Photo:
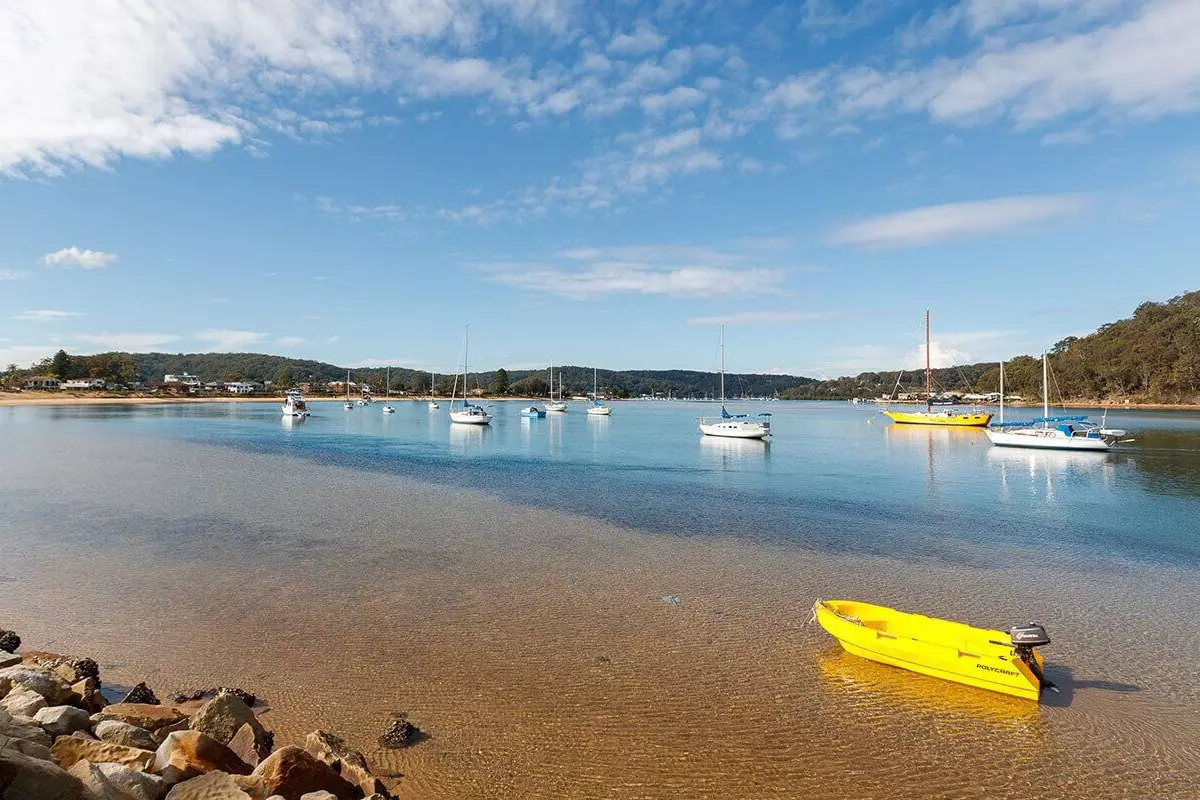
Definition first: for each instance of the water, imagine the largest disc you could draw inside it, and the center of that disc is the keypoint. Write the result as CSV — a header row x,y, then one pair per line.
x,y
505,585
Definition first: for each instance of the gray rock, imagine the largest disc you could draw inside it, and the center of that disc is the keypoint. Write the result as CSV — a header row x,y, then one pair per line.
x,y
25,747
116,732
141,694
9,659
9,641
321,795
23,702
211,786
62,720
25,778
221,717
45,682
116,782
23,728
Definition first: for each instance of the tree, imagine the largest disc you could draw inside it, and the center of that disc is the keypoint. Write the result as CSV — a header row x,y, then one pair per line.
x,y
284,377
499,384
531,386
60,365
418,383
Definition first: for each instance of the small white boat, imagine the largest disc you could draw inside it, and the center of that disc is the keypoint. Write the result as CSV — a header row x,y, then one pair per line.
x,y
533,412
348,405
1052,433
294,406
433,404
468,414
597,409
734,426
558,406
387,403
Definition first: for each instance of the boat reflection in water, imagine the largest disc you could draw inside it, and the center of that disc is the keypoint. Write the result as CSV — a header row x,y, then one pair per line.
x,y
292,422
727,454
879,689
1051,469
467,440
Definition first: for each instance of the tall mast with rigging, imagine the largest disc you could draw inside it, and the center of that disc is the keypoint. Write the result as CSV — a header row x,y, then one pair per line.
x,y
928,377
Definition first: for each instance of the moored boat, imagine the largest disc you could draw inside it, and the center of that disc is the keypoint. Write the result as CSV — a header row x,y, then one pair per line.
x,y
533,412
468,413
1001,661
597,408
294,406
949,416
734,426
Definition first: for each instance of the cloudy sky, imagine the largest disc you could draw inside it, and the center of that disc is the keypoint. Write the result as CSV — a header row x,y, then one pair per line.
x,y
596,182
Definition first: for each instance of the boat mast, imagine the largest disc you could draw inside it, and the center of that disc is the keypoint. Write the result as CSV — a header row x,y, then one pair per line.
x,y
388,388
466,352
347,386
1001,391
928,382
595,397
722,365
1045,385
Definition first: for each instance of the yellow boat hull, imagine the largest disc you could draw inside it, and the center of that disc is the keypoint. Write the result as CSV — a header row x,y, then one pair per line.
x,y
957,419
939,648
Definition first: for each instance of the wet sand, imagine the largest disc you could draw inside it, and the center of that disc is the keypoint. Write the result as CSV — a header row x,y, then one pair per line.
x,y
536,650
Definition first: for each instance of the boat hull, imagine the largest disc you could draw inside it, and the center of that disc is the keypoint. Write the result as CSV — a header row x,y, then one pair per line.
x,y
938,648
959,420
604,411
1048,442
557,408
736,430
463,418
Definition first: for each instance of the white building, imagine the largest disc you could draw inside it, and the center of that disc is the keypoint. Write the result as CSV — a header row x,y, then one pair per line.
x,y
243,387
84,383
184,378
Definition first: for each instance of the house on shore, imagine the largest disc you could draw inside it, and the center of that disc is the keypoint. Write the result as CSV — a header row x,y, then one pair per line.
x,y
44,382
244,387
191,381
85,383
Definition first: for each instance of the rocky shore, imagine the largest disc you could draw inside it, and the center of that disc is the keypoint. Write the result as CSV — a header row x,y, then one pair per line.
x,y
61,739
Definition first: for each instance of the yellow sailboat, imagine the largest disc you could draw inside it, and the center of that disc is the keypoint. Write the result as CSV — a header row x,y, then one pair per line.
x,y
962,419
988,659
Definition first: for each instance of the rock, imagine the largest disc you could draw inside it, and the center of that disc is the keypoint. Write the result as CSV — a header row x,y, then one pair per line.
x,y
401,733
221,717
240,694
25,778
116,732
150,717
68,750
252,786
141,694
252,745
212,786
8,660
38,679
25,747
9,641
23,702
162,733
23,728
321,795
62,720
116,782
88,692
186,754
294,772
85,735
349,763
187,695
65,671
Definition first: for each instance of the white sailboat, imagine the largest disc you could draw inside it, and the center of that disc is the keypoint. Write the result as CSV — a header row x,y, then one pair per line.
x,y
469,414
734,426
597,409
432,402
1051,433
387,402
348,405
558,406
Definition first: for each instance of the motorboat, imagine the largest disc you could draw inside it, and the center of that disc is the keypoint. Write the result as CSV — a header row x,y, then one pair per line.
x,y
533,412
294,406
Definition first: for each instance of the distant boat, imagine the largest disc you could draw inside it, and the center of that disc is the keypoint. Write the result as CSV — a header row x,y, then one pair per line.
x,y
962,419
348,405
533,412
294,406
558,406
432,403
1052,433
597,409
469,414
387,402
734,426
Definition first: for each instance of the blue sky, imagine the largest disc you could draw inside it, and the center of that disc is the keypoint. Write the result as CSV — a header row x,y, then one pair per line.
x,y
593,182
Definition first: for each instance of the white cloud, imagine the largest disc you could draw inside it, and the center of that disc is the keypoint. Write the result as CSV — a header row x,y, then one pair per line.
x,y
674,271
46,315
74,257
228,341
290,341
797,91
128,342
765,317
930,224
644,39
679,97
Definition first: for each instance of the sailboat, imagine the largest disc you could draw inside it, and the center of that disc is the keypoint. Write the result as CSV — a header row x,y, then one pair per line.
x,y
558,406
597,409
387,403
348,405
734,426
1052,433
962,419
432,402
469,414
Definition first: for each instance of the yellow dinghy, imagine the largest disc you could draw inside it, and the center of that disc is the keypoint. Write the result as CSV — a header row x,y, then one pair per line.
x,y
964,419
988,659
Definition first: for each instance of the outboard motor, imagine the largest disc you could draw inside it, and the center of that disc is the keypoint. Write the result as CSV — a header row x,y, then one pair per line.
x,y
1024,639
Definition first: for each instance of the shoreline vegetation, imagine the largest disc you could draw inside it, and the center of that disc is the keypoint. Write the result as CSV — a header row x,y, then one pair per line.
x,y
62,739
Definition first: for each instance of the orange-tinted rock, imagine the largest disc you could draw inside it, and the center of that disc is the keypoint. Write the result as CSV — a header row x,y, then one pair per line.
x,y
69,749
142,715
212,786
349,763
293,771
186,754
222,716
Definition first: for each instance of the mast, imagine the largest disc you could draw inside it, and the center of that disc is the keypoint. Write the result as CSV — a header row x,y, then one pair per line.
x,y
388,388
595,398
928,381
1001,391
551,383
347,386
1045,385
722,365
466,356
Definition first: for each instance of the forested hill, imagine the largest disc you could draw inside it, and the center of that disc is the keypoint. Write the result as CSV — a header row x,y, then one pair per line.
x,y
1153,356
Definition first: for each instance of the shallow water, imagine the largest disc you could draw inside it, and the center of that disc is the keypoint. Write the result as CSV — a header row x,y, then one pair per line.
x,y
505,588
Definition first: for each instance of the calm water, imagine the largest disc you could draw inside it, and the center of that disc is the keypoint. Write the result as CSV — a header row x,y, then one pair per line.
x,y
504,584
